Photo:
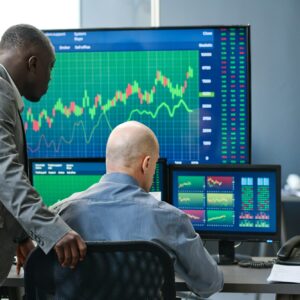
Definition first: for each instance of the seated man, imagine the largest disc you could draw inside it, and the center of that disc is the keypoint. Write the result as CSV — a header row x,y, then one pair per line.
x,y
120,207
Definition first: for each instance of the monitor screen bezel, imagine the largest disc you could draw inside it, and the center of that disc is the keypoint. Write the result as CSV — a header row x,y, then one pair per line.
x,y
232,235
164,166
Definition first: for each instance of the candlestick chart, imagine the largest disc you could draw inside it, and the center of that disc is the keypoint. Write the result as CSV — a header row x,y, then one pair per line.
x,y
92,92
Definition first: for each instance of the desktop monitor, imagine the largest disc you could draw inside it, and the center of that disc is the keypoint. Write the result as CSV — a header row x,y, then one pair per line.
x,y
56,179
190,85
229,202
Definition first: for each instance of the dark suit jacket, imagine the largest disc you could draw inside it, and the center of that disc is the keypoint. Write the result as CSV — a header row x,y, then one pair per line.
x,y
20,205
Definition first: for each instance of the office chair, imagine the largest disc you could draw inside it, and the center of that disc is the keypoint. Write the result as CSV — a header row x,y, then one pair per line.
x,y
127,270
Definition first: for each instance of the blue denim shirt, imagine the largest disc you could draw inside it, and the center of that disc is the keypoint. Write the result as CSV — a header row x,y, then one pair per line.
x,y
116,208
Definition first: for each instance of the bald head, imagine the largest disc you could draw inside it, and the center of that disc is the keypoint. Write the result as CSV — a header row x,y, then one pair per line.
x,y
128,142
131,148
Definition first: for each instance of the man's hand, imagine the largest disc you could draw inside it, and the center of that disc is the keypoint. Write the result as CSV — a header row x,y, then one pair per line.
x,y
23,250
69,249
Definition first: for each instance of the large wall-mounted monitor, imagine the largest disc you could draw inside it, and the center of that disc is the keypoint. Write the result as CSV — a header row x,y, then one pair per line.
x,y
58,178
229,202
191,85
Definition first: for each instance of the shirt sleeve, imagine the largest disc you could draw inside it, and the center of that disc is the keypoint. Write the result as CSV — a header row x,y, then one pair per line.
x,y
192,261
16,193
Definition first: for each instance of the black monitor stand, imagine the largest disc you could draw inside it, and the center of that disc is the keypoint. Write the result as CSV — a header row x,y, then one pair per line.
x,y
227,255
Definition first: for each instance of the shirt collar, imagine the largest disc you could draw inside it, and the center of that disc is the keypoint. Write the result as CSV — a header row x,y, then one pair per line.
x,y
18,96
119,178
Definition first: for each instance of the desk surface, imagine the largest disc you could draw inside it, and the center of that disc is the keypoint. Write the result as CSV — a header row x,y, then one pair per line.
x,y
14,280
236,280
249,280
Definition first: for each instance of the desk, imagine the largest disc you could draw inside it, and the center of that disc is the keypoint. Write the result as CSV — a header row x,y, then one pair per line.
x,y
13,286
14,280
248,280
236,280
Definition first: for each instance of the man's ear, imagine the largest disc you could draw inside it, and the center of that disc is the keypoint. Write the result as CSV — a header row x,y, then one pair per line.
x,y
32,64
145,164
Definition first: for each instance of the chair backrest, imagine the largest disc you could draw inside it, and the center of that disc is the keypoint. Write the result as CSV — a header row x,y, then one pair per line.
x,y
128,270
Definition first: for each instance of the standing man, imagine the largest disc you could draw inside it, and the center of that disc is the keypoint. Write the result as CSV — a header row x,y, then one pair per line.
x,y
26,60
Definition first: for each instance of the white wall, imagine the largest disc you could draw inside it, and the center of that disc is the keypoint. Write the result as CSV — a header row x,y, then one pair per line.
x,y
52,14
115,13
